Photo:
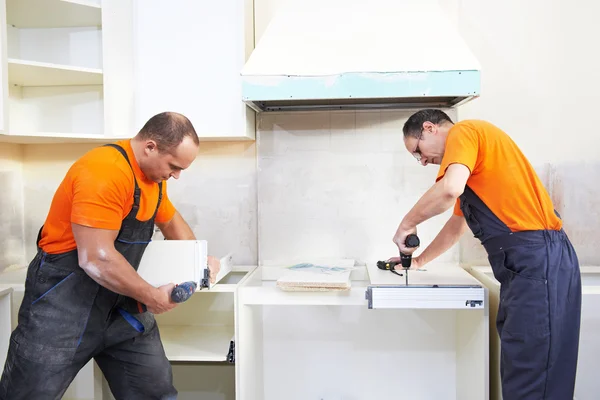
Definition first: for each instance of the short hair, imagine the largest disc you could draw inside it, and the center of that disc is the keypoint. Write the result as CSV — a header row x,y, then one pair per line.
x,y
414,125
168,129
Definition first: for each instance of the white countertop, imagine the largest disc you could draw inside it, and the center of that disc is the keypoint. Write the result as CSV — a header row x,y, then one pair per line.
x,y
434,274
5,289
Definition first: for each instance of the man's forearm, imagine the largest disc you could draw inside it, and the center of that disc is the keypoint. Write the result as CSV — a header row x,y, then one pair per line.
x,y
434,202
176,229
114,272
448,236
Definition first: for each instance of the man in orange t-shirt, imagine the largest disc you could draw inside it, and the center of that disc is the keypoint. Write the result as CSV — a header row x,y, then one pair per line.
x,y
83,296
498,195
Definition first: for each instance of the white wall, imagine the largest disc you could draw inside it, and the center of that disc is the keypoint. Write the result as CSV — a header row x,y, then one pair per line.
x,y
336,184
216,195
537,84
11,206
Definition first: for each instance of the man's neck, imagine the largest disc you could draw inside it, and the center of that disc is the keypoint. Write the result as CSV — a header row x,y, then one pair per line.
x,y
138,150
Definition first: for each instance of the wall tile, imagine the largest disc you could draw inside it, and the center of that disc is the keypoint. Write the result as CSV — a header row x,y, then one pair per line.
x,y
345,200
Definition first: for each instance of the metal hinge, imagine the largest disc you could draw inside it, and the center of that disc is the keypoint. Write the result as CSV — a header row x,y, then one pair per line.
x,y
205,281
231,354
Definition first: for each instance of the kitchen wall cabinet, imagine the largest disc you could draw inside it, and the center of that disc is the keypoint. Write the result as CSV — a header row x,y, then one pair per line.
x,y
96,70
53,59
190,62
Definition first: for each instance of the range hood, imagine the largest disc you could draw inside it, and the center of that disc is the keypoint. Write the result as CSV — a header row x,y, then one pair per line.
x,y
359,54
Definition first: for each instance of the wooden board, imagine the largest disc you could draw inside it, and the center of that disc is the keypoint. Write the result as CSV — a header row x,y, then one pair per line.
x,y
316,277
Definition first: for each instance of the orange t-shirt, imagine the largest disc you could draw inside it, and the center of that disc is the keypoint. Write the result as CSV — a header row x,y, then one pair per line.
x,y
500,175
97,191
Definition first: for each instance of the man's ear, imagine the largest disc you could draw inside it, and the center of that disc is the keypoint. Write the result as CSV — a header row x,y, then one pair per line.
x,y
150,147
428,126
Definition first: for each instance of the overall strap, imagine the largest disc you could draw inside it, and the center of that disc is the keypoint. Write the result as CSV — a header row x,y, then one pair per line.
x,y
159,199
137,192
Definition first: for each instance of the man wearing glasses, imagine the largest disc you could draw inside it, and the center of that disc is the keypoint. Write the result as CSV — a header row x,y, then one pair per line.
x,y
497,194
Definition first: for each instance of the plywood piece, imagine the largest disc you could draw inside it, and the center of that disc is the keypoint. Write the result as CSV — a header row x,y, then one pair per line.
x,y
196,343
298,281
317,277
53,13
435,274
33,73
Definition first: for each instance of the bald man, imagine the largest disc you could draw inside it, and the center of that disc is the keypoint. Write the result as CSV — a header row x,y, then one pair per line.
x,y
83,295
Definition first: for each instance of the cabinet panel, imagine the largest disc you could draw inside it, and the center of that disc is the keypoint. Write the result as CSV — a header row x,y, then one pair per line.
x,y
173,261
190,63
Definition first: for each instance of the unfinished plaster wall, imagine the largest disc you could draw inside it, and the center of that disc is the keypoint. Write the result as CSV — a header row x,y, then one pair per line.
x,y
337,184
534,86
216,195
537,86
11,206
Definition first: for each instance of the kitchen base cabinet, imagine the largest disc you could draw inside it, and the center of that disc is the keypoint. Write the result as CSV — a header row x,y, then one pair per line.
x,y
198,337
330,345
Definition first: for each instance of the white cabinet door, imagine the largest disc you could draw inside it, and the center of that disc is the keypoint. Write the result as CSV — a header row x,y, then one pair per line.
x,y
174,261
188,55
117,52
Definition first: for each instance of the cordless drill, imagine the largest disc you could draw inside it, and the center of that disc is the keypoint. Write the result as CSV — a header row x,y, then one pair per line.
x,y
412,240
183,291
179,294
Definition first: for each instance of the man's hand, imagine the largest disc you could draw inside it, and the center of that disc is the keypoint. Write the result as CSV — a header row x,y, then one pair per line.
x,y
400,238
214,266
415,263
162,300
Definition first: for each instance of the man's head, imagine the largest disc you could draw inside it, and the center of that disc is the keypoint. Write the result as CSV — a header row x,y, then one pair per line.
x,y
166,145
425,135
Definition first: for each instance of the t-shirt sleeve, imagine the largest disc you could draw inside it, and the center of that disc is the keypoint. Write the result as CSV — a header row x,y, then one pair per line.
x,y
100,193
166,210
462,147
457,210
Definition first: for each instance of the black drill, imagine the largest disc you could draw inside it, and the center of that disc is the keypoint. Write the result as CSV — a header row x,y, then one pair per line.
x,y
412,240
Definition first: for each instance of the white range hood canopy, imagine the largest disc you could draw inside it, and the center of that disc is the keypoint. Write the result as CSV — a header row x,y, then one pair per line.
x,y
359,54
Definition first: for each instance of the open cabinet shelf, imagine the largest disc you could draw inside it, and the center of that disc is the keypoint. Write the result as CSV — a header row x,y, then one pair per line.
x,y
202,328
197,343
54,69
32,73
54,13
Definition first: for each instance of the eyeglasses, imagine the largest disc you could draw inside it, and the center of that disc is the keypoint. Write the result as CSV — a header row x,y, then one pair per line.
x,y
417,153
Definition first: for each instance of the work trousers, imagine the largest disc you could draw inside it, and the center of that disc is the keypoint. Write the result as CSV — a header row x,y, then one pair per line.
x,y
65,320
